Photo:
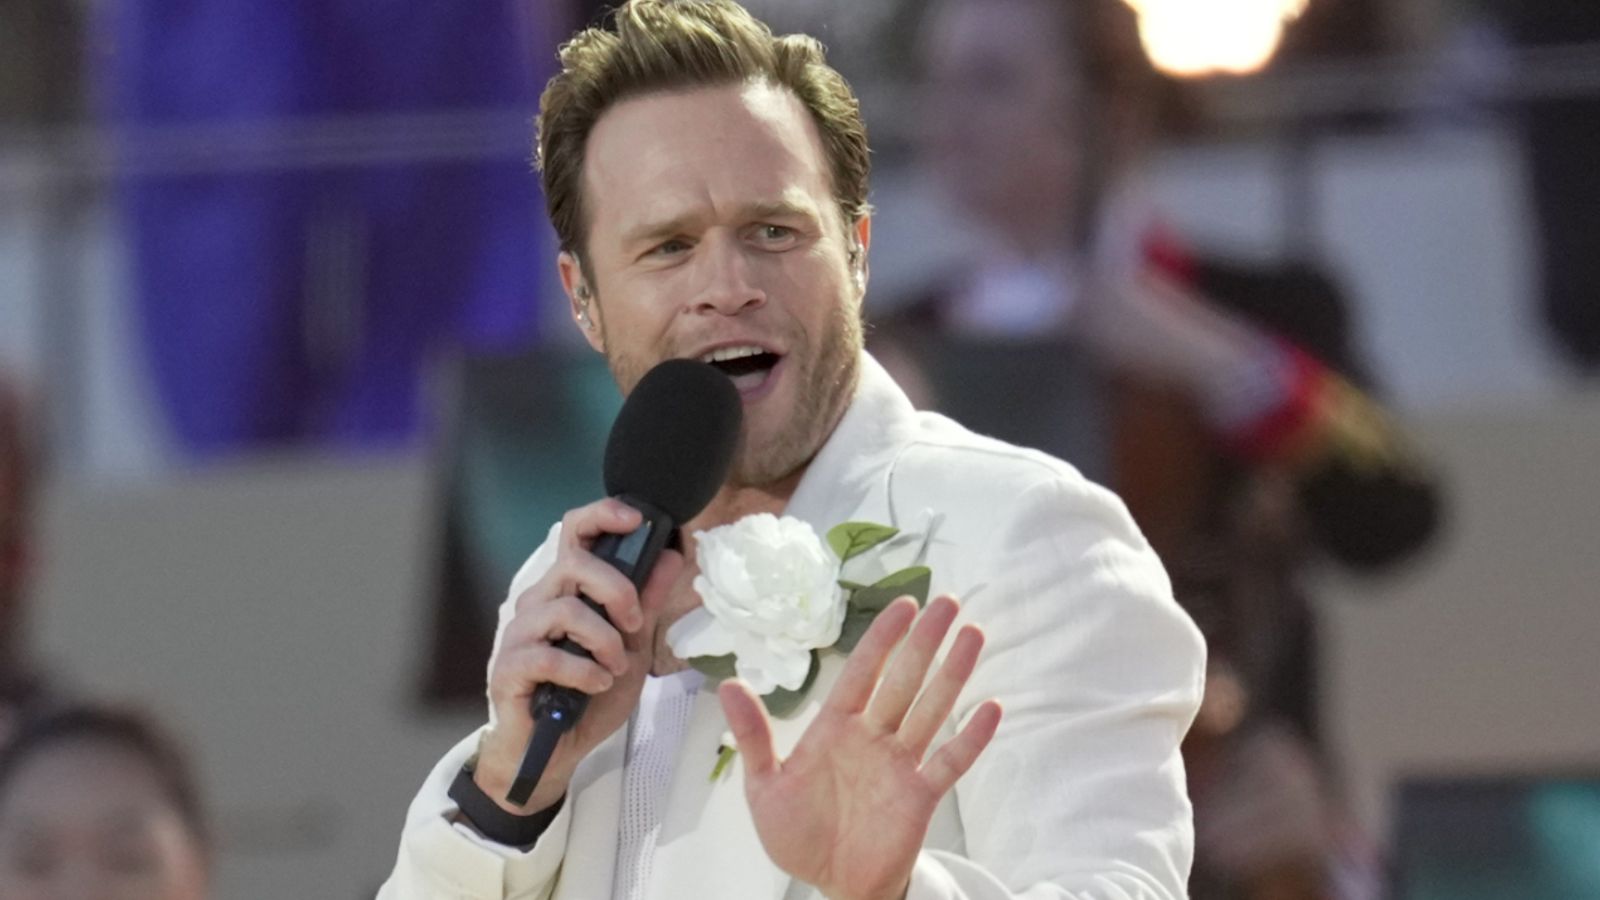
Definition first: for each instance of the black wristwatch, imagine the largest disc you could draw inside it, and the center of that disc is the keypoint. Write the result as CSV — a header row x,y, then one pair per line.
x,y
492,821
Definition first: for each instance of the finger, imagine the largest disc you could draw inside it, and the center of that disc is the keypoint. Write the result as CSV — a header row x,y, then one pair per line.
x,y
934,706
865,664
909,668
570,617
751,728
579,527
953,760
578,572
567,617
516,674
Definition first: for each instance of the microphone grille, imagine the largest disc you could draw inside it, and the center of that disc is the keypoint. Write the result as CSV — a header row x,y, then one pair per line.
x,y
674,440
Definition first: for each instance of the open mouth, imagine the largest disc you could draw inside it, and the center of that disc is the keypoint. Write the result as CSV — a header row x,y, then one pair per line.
x,y
749,367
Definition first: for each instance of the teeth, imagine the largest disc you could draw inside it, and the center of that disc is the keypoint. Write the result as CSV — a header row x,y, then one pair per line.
x,y
727,353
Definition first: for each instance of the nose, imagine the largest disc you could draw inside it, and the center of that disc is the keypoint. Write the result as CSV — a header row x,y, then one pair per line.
x,y
726,284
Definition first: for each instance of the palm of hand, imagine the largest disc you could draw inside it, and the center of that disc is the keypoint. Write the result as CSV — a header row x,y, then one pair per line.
x,y
848,806
848,809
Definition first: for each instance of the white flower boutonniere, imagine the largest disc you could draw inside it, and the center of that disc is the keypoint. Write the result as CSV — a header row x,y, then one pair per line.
x,y
774,597
770,596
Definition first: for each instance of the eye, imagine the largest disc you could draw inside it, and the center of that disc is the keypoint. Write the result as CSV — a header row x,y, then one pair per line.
x,y
673,247
776,236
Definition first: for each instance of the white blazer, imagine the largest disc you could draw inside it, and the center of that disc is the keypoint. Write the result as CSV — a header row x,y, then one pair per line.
x,y
1080,795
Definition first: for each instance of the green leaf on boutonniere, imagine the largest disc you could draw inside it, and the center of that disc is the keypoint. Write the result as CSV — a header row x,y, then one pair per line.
x,y
867,602
855,538
717,668
913,582
851,585
856,623
781,703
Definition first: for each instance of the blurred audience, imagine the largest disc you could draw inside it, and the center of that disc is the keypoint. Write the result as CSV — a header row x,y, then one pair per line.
x,y
1235,431
97,804
21,688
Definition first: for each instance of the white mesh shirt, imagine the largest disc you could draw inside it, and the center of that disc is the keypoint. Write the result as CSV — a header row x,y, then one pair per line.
x,y
652,752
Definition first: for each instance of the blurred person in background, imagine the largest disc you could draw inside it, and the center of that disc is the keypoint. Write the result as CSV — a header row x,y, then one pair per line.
x,y
20,686
1234,430
96,803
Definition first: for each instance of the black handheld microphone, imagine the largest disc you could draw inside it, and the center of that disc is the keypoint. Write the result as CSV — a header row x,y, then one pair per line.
x,y
668,454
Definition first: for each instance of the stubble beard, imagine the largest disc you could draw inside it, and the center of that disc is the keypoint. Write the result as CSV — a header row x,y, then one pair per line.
x,y
824,381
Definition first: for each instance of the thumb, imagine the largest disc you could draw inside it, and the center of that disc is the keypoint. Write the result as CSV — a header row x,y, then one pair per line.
x,y
752,730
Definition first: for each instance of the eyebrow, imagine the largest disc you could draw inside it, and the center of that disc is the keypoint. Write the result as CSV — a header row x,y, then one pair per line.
x,y
766,209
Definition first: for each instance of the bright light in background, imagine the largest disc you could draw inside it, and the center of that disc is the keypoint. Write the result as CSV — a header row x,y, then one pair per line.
x,y
1203,37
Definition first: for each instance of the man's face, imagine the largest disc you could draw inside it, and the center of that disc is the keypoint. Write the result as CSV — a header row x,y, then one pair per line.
x,y
713,234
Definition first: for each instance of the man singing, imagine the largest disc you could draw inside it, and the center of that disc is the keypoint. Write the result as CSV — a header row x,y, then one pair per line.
x,y
708,183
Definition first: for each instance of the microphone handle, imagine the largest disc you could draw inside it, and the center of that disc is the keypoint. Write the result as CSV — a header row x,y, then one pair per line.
x,y
556,708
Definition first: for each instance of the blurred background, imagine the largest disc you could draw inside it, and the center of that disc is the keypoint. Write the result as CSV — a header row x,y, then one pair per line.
x,y
288,388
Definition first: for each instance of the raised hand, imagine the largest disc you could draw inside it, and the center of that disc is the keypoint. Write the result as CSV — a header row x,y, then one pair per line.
x,y
847,811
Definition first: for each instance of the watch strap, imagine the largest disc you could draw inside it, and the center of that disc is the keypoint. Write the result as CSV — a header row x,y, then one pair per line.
x,y
494,822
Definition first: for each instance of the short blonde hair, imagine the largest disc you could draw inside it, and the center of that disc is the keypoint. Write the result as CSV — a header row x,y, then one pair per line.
x,y
664,45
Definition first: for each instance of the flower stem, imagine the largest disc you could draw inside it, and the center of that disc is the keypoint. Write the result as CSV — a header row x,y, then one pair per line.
x,y
724,759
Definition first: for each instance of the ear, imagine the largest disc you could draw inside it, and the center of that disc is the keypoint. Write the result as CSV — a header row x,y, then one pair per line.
x,y
581,301
863,242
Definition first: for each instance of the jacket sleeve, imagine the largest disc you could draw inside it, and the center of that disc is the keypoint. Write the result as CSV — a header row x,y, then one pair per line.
x,y
1082,793
440,855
